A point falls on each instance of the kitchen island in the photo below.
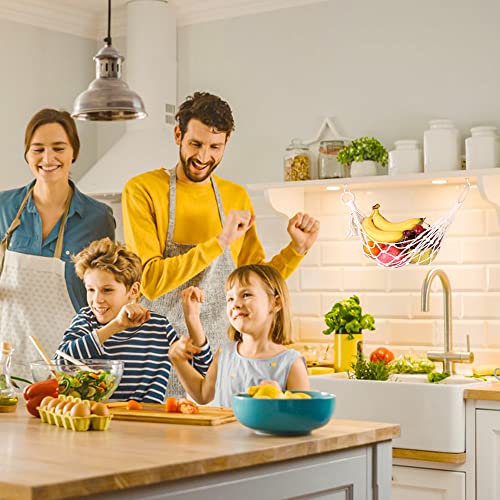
(348, 459)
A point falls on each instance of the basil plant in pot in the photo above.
(347, 321)
(363, 155)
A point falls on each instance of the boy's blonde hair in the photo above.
(275, 285)
(112, 257)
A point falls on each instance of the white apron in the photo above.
(34, 299)
(212, 280)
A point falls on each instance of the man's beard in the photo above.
(185, 167)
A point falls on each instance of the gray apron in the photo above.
(34, 299)
(212, 280)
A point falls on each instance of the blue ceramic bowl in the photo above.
(284, 417)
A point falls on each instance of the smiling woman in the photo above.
(41, 226)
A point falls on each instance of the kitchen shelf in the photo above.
(288, 197)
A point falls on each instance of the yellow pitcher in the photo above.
(344, 350)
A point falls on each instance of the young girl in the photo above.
(259, 315)
(114, 326)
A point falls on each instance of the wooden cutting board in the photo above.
(209, 415)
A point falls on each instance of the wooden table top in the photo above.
(486, 392)
(43, 461)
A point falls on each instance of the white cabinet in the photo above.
(412, 483)
(488, 454)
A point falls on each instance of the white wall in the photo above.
(40, 68)
(379, 68)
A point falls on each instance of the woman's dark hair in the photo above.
(47, 115)
(209, 109)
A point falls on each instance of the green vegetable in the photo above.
(407, 364)
(435, 377)
(95, 385)
(346, 317)
(364, 369)
(364, 148)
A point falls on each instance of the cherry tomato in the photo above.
(171, 405)
(382, 354)
(132, 404)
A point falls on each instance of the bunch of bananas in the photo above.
(271, 392)
(381, 230)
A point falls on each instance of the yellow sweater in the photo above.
(145, 203)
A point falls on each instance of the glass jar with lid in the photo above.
(328, 165)
(297, 162)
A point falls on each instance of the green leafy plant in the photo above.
(364, 148)
(436, 377)
(364, 369)
(346, 316)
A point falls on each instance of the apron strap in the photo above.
(13, 226)
(60, 235)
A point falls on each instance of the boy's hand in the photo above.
(182, 350)
(132, 315)
(192, 298)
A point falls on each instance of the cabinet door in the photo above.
(412, 483)
(487, 454)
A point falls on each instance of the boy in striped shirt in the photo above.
(115, 326)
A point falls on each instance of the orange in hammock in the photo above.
(371, 249)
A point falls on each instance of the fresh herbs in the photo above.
(364, 148)
(364, 369)
(436, 377)
(407, 364)
(346, 317)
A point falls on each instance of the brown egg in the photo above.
(45, 401)
(99, 409)
(52, 404)
(80, 410)
(59, 407)
(67, 407)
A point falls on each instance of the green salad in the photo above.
(95, 385)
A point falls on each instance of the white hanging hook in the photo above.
(464, 192)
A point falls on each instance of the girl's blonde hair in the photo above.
(276, 287)
(112, 257)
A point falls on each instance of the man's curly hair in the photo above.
(209, 109)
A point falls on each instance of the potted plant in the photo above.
(363, 155)
(347, 321)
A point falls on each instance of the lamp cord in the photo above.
(108, 38)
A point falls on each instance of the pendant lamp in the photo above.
(108, 97)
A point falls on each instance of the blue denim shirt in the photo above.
(88, 220)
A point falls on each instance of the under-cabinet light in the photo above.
(333, 188)
(440, 181)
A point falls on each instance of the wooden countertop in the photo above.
(487, 392)
(41, 461)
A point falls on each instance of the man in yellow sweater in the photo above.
(192, 228)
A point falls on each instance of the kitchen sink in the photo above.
(431, 416)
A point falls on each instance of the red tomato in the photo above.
(382, 354)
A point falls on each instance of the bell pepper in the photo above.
(34, 393)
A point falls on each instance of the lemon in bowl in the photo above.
(291, 414)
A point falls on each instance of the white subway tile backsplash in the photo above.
(336, 268)
(356, 279)
(481, 305)
(327, 279)
(481, 250)
(343, 253)
(306, 304)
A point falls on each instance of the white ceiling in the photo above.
(87, 18)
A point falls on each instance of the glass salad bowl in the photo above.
(96, 380)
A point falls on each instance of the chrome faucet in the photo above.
(448, 357)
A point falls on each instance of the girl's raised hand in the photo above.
(183, 350)
(132, 315)
(192, 298)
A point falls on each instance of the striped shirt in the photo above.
(144, 351)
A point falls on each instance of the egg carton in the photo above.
(79, 424)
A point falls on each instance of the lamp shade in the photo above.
(108, 97)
